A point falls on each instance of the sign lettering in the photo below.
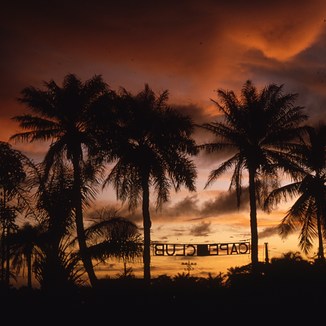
(215, 249)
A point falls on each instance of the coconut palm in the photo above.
(152, 153)
(259, 133)
(63, 115)
(309, 208)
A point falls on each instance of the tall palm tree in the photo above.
(63, 116)
(153, 151)
(259, 132)
(309, 209)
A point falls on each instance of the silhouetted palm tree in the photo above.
(63, 115)
(12, 176)
(153, 152)
(51, 210)
(58, 270)
(54, 203)
(23, 243)
(113, 236)
(259, 132)
(309, 209)
(56, 261)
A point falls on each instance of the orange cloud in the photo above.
(280, 32)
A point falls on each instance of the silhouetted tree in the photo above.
(63, 115)
(259, 132)
(57, 262)
(23, 243)
(152, 152)
(113, 236)
(59, 270)
(12, 176)
(309, 208)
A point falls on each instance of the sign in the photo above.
(215, 249)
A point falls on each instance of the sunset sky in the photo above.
(191, 48)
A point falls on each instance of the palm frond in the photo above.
(223, 167)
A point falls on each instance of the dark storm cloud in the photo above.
(196, 112)
(201, 230)
(187, 206)
(225, 203)
(269, 232)
(191, 208)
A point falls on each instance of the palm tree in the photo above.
(63, 115)
(58, 270)
(113, 236)
(12, 176)
(55, 268)
(309, 209)
(153, 152)
(55, 261)
(23, 243)
(259, 131)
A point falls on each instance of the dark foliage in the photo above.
(276, 294)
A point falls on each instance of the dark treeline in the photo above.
(144, 148)
(275, 294)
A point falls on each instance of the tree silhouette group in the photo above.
(144, 147)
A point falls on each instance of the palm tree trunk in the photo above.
(320, 255)
(147, 230)
(3, 251)
(80, 225)
(29, 269)
(7, 256)
(253, 220)
(3, 235)
(6, 241)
